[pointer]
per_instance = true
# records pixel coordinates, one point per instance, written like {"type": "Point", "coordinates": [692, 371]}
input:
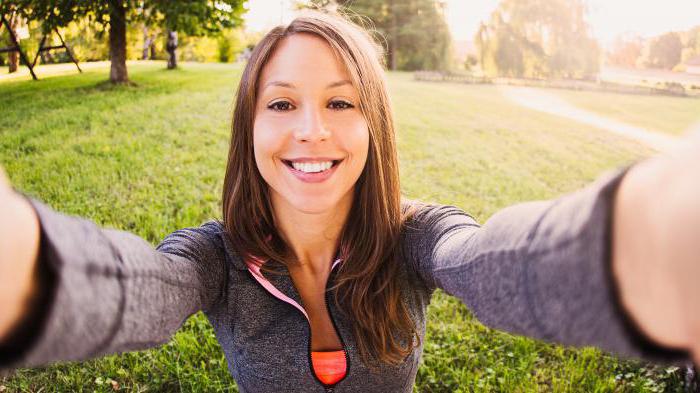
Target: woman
{"type": "Point", "coordinates": [319, 276]}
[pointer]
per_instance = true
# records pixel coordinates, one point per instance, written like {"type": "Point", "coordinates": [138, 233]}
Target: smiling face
{"type": "Point", "coordinates": [310, 137]}
{"type": "Point", "coordinates": [294, 107]}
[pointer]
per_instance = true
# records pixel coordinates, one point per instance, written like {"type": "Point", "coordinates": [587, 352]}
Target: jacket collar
{"type": "Point", "coordinates": [239, 262]}
{"type": "Point", "coordinates": [231, 255]}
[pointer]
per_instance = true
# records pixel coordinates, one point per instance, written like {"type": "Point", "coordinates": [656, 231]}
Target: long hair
{"type": "Point", "coordinates": [367, 286]}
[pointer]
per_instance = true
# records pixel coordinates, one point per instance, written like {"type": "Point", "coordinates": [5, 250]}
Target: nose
{"type": "Point", "coordinates": [311, 127]}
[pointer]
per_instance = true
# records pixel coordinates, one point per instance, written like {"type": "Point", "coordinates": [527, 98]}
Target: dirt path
{"type": "Point", "coordinates": [543, 101]}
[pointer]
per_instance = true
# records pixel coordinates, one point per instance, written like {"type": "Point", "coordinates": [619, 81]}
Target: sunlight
{"type": "Point", "coordinates": [608, 18]}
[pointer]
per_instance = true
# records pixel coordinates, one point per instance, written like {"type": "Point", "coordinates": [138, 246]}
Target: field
{"type": "Point", "coordinates": [150, 159]}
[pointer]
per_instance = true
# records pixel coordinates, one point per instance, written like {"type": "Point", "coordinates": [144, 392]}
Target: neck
{"type": "Point", "coordinates": [314, 237]}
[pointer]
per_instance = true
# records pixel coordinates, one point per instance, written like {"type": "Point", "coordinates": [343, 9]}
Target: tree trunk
{"type": "Point", "coordinates": [171, 47]}
{"type": "Point", "coordinates": [117, 42]}
{"type": "Point", "coordinates": [482, 36]}
{"type": "Point", "coordinates": [393, 42]}
{"type": "Point", "coordinates": [146, 44]}
{"type": "Point", "coordinates": [13, 57]}
{"type": "Point", "coordinates": [149, 44]}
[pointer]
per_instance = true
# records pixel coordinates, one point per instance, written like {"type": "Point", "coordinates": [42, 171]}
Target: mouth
{"type": "Point", "coordinates": [312, 170]}
{"type": "Point", "coordinates": [307, 166]}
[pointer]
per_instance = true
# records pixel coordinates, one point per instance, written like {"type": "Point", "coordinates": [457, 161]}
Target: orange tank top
{"type": "Point", "coordinates": [330, 366]}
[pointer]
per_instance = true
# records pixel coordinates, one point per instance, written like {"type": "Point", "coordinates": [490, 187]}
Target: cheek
{"type": "Point", "coordinates": [267, 141]}
{"type": "Point", "coordinates": [358, 144]}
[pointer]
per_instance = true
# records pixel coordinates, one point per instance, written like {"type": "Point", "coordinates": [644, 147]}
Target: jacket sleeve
{"type": "Point", "coordinates": [540, 269]}
{"type": "Point", "coordinates": [112, 292]}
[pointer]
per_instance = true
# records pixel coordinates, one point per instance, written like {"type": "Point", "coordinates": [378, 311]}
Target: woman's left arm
{"type": "Point", "coordinates": [656, 247]}
{"type": "Point", "coordinates": [612, 265]}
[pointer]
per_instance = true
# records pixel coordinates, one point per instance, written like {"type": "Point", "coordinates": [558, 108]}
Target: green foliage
{"type": "Point", "coordinates": [193, 17]}
{"type": "Point", "coordinates": [470, 62]}
{"type": "Point", "coordinates": [225, 49]}
{"type": "Point", "coordinates": [668, 51]}
{"type": "Point", "coordinates": [414, 33]}
{"type": "Point", "coordinates": [102, 153]}
{"type": "Point", "coordinates": [626, 51]}
{"type": "Point", "coordinates": [538, 39]}
{"type": "Point", "coordinates": [230, 43]}
{"type": "Point", "coordinates": [88, 40]}
{"type": "Point", "coordinates": [196, 17]}
{"type": "Point", "coordinates": [663, 51]}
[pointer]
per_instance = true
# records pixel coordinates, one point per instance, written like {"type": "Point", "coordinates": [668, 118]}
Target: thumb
{"type": "Point", "coordinates": [6, 189]}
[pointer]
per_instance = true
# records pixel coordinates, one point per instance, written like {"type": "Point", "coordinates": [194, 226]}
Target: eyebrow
{"type": "Point", "coordinates": [292, 86]}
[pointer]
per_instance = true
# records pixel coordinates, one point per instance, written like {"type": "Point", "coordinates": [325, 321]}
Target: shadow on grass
{"type": "Point", "coordinates": [73, 90]}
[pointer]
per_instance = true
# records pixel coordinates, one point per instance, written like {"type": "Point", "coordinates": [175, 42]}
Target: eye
{"type": "Point", "coordinates": [280, 106]}
{"type": "Point", "coordinates": [340, 105]}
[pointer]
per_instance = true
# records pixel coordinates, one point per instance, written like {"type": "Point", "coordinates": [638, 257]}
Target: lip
{"type": "Point", "coordinates": [317, 177]}
{"type": "Point", "coordinates": [312, 159]}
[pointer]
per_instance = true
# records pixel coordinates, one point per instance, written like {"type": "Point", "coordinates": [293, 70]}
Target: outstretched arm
{"type": "Point", "coordinates": [545, 269]}
{"type": "Point", "coordinates": [111, 290]}
{"type": "Point", "coordinates": [19, 251]}
{"type": "Point", "coordinates": [656, 246]}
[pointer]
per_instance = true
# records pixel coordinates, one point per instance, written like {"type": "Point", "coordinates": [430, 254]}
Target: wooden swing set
{"type": "Point", "coordinates": [15, 47]}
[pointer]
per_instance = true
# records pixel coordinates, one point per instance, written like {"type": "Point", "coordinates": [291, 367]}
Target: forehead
{"type": "Point", "coordinates": [303, 57]}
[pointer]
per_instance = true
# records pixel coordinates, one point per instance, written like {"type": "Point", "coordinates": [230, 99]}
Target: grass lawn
{"type": "Point", "coordinates": [150, 159]}
{"type": "Point", "coordinates": [672, 115]}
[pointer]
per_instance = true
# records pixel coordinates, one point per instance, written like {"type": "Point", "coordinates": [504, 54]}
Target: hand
{"type": "Point", "coordinates": [19, 249]}
{"type": "Point", "coordinates": [656, 246]}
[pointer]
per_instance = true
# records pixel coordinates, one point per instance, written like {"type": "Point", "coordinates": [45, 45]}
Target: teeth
{"type": "Point", "coordinates": [312, 167]}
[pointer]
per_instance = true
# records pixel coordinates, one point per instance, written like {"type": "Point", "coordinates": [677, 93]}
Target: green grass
{"type": "Point", "coordinates": [150, 159]}
{"type": "Point", "coordinates": [672, 115]}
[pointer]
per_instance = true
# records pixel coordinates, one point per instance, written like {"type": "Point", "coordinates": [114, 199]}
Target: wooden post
{"type": "Point", "coordinates": [63, 45]}
{"type": "Point", "coordinates": [41, 45]}
{"type": "Point", "coordinates": [16, 47]}
{"type": "Point", "coordinates": [68, 51]}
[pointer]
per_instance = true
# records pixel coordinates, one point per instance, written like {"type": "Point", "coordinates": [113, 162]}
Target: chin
{"type": "Point", "coordinates": [314, 205]}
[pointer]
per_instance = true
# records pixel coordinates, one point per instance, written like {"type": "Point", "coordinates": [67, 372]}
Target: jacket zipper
{"type": "Point", "coordinates": [328, 388]}
{"type": "Point", "coordinates": [342, 343]}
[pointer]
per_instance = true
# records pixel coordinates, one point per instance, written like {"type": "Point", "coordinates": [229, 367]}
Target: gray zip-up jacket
{"type": "Point", "coordinates": [539, 269]}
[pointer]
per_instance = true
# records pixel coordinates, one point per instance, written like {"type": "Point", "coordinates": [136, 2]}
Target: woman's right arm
{"type": "Point", "coordinates": [110, 291]}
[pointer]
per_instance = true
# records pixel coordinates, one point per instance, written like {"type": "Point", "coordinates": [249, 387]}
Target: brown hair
{"type": "Point", "coordinates": [367, 285]}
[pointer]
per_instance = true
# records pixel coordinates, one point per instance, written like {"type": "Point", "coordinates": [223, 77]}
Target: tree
{"type": "Point", "coordinates": [663, 51]}
{"type": "Point", "coordinates": [626, 50]}
{"type": "Point", "coordinates": [415, 33]}
{"type": "Point", "coordinates": [196, 18]}
{"type": "Point", "coordinates": [192, 16]}
{"type": "Point", "coordinates": [539, 39]}
{"type": "Point", "coordinates": [691, 44]}
{"type": "Point", "coordinates": [149, 39]}
{"type": "Point", "coordinates": [13, 17]}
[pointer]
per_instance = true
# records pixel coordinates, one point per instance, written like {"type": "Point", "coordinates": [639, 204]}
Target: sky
{"type": "Point", "coordinates": [608, 18]}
